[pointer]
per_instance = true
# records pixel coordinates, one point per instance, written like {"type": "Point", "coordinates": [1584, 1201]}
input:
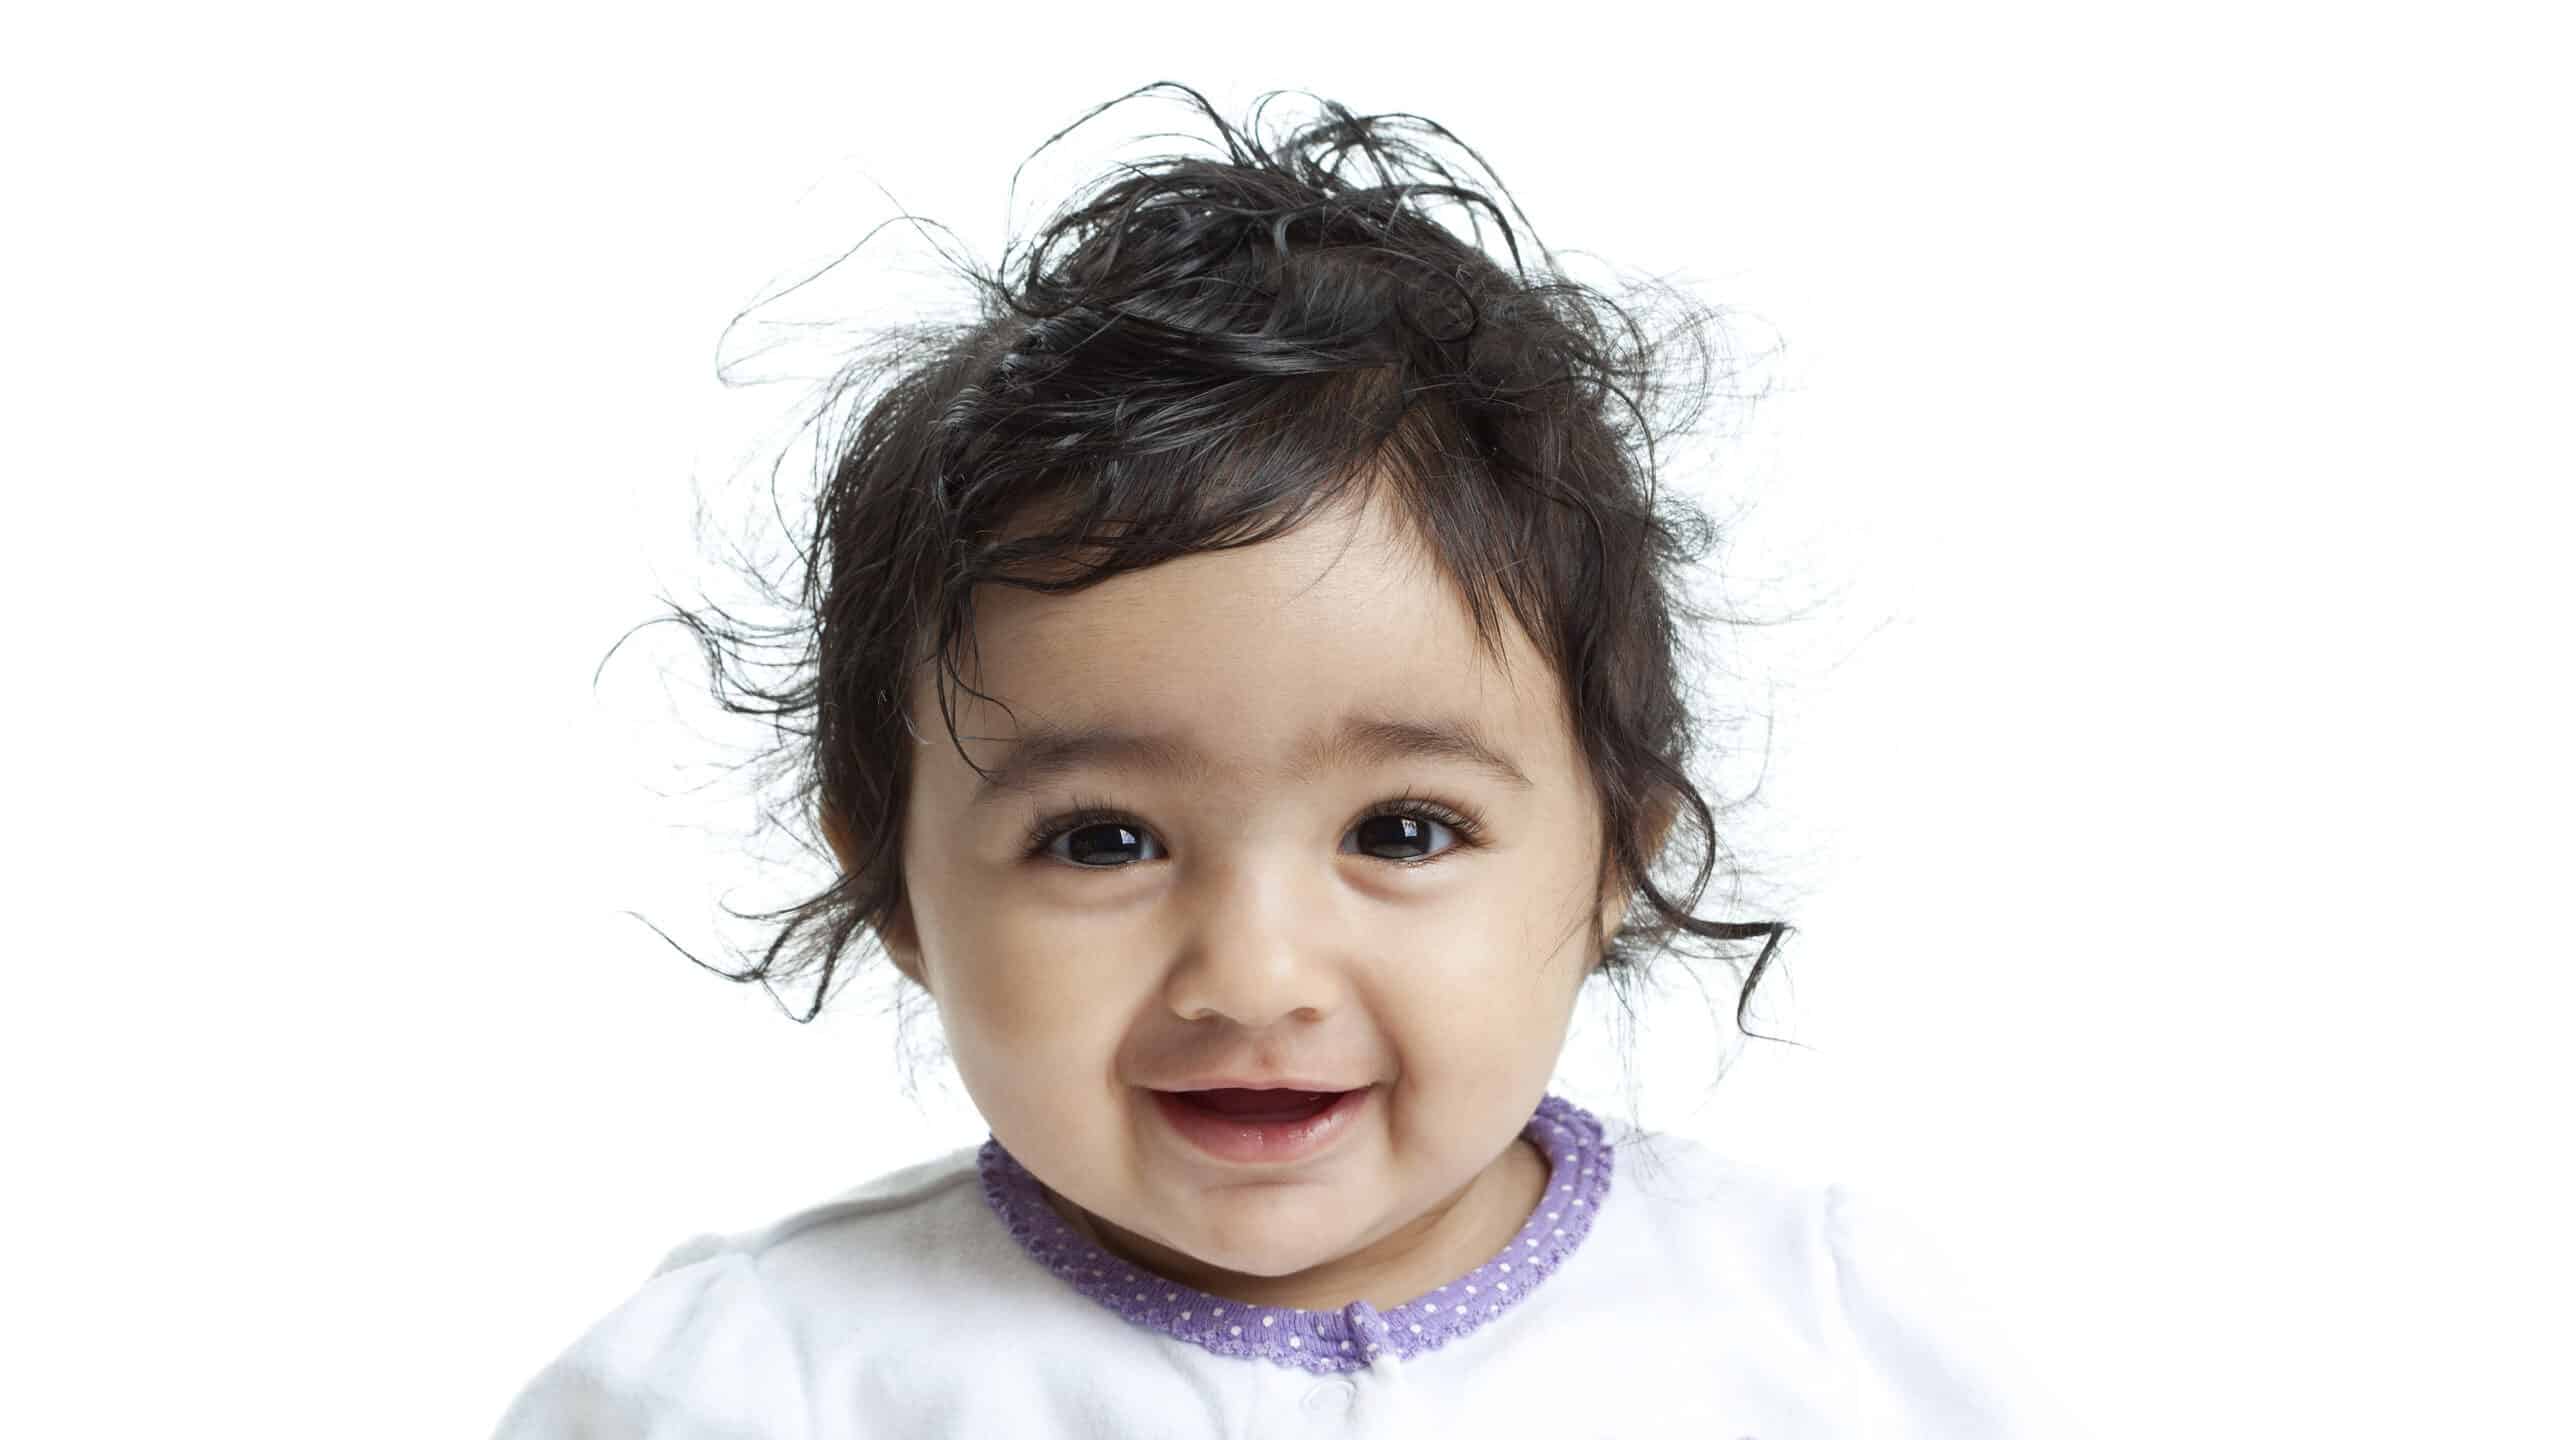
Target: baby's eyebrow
{"type": "Point", "coordinates": [1041, 754]}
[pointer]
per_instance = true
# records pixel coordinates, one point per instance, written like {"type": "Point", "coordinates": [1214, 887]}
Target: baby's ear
{"type": "Point", "coordinates": [898, 930]}
{"type": "Point", "coordinates": [898, 937]}
{"type": "Point", "coordinates": [1653, 828]}
{"type": "Point", "coordinates": [839, 835]}
{"type": "Point", "coordinates": [1656, 826]}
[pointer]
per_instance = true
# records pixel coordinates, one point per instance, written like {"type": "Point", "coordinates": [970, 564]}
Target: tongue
{"type": "Point", "coordinates": [1260, 1104]}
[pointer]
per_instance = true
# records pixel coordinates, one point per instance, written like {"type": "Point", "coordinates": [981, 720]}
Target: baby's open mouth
{"type": "Point", "coordinates": [1263, 1127]}
{"type": "Point", "coordinates": [1267, 1106]}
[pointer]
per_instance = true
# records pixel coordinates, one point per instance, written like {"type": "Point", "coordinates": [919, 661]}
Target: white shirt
{"type": "Point", "coordinates": [1703, 1298]}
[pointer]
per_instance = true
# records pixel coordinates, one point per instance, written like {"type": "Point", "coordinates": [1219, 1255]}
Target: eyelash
{"type": "Point", "coordinates": [1081, 812]}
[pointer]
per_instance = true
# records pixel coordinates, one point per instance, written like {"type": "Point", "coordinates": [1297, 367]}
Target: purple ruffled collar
{"type": "Point", "coordinates": [1579, 1160]}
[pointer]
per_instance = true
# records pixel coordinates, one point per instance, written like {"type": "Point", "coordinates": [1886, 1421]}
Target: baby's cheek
{"type": "Point", "coordinates": [1019, 1083]}
{"type": "Point", "coordinates": [1497, 1030]}
{"type": "Point", "coordinates": [1033, 1024]}
{"type": "Point", "coordinates": [1498, 991]}
{"type": "Point", "coordinates": [1012, 1035]}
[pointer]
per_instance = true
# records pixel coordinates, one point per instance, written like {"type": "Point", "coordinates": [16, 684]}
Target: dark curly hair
{"type": "Point", "coordinates": [1196, 353]}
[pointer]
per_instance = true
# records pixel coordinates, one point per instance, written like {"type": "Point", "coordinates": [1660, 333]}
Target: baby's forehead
{"type": "Point", "coordinates": [1365, 546]}
{"type": "Point", "coordinates": [1038, 751]}
{"type": "Point", "coordinates": [1250, 625]}
{"type": "Point", "coordinates": [1106, 682]}
{"type": "Point", "coordinates": [1347, 612]}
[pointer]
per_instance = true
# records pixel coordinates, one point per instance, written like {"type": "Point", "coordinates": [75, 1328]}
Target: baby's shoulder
{"type": "Point", "coordinates": [1832, 1267]}
{"type": "Point", "coordinates": [877, 1238]}
{"type": "Point", "coordinates": [901, 1197]}
{"type": "Point", "coordinates": [1680, 1185]}
{"type": "Point", "coordinates": [1688, 1193]}
{"type": "Point", "coordinates": [709, 1339]}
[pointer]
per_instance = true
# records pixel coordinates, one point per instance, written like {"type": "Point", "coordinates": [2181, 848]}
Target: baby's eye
{"type": "Point", "coordinates": [1100, 847]}
{"type": "Point", "coordinates": [1402, 834]}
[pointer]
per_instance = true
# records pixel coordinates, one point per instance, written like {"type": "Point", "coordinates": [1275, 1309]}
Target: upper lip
{"type": "Point", "coordinates": [1325, 1087]}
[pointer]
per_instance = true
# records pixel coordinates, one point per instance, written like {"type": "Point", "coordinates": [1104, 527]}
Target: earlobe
{"type": "Point", "coordinates": [1658, 818]}
{"type": "Point", "coordinates": [1615, 896]}
{"type": "Point", "coordinates": [897, 931]}
{"type": "Point", "coordinates": [839, 836]}
{"type": "Point", "coordinates": [1613, 913]}
{"type": "Point", "coordinates": [898, 937]}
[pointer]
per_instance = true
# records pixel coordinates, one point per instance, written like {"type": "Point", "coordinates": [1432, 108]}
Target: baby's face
{"type": "Point", "coordinates": [1275, 909]}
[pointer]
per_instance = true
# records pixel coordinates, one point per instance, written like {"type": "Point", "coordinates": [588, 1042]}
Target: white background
{"type": "Point", "coordinates": [2160, 450]}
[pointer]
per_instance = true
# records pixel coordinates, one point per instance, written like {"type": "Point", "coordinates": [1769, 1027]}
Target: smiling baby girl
{"type": "Point", "coordinates": [1243, 693]}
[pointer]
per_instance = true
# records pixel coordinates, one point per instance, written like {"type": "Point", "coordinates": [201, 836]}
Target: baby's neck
{"type": "Point", "coordinates": [1467, 1230]}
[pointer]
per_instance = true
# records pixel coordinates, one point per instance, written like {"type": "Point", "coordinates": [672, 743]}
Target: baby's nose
{"type": "Point", "coordinates": [1257, 954]}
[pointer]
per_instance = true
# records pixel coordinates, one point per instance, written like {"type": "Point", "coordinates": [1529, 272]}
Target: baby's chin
{"type": "Point", "coordinates": [1265, 1248]}
{"type": "Point", "coordinates": [1278, 1258]}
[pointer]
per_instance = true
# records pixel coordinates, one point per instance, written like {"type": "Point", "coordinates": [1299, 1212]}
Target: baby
{"type": "Point", "coordinates": [1244, 696]}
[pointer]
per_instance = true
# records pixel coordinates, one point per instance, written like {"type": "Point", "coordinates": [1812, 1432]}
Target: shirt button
{"type": "Point", "coordinates": [1330, 1400]}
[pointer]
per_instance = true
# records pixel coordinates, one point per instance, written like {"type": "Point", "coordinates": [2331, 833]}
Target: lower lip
{"type": "Point", "coordinates": [1263, 1142]}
